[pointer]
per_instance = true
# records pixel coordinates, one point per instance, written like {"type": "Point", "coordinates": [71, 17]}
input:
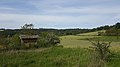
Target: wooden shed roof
{"type": "Point", "coordinates": [28, 36]}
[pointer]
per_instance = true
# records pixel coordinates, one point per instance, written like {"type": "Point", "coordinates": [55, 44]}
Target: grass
{"type": "Point", "coordinates": [81, 41]}
{"type": "Point", "coordinates": [104, 38]}
{"type": "Point", "coordinates": [53, 57]}
{"type": "Point", "coordinates": [75, 55]}
{"type": "Point", "coordinates": [74, 41]}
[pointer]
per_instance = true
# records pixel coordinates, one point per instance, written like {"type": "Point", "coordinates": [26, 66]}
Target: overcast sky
{"type": "Point", "coordinates": [59, 13]}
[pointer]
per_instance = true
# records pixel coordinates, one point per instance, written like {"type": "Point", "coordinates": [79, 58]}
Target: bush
{"type": "Point", "coordinates": [4, 43]}
{"type": "Point", "coordinates": [48, 40]}
{"type": "Point", "coordinates": [102, 49]}
{"type": "Point", "coordinates": [15, 42]}
{"type": "Point", "coordinates": [100, 53]}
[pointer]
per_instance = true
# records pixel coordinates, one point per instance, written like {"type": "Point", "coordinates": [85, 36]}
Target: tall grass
{"type": "Point", "coordinates": [53, 57]}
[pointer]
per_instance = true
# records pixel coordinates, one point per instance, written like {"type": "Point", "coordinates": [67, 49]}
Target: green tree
{"type": "Point", "coordinates": [28, 29]}
{"type": "Point", "coordinates": [117, 25]}
{"type": "Point", "coordinates": [27, 26]}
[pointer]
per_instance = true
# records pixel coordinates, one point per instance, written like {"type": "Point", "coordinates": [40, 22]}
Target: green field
{"type": "Point", "coordinates": [72, 54]}
{"type": "Point", "coordinates": [74, 41]}
{"type": "Point", "coordinates": [53, 57]}
{"type": "Point", "coordinates": [80, 41]}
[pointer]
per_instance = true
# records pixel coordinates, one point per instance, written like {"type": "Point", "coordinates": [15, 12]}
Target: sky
{"type": "Point", "coordinates": [59, 14]}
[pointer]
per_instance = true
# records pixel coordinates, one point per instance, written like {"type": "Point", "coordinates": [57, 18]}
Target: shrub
{"type": "Point", "coordinates": [15, 42]}
{"type": "Point", "coordinates": [100, 53]}
{"type": "Point", "coordinates": [48, 40]}
{"type": "Point", "coordinates": [4, 43]}
{"type": "Point", "coordinates": [102, 49]}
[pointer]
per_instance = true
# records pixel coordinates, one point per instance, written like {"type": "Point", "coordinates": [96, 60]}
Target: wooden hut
{"type": "Point", "coordinates": [29, 39]}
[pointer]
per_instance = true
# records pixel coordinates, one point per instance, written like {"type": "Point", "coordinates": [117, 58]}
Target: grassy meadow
{"type": "Point", "coordinates": [74, 53]}
{"type": "Point", "coordinates": [81, 41]}
{"type": "Point", "coordinates": [75, 41]}
{"type": "Point", "coordinates": [53, 57]}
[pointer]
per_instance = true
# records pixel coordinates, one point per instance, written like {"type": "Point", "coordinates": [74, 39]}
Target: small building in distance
{"type": "Point", "coordinates": [29, 39]}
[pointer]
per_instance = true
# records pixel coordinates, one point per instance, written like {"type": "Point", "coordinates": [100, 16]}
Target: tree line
{"type": "Point", "coordinates": [110, 30]}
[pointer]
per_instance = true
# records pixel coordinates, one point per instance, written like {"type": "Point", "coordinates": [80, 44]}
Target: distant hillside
{"type": "Point", "coordinates": [91, 33]}
{"type": "Point", "coordinates": [113, 30]}
{"type": "Point", "coordinates": [61, 32]}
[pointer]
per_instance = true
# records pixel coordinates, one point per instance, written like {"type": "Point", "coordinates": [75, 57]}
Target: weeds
{"type": "Point", "coordinates": [100, 53]}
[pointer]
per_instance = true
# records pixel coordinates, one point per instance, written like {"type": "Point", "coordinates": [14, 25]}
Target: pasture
{"type": "Point", "coordinates": [81, 41]}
